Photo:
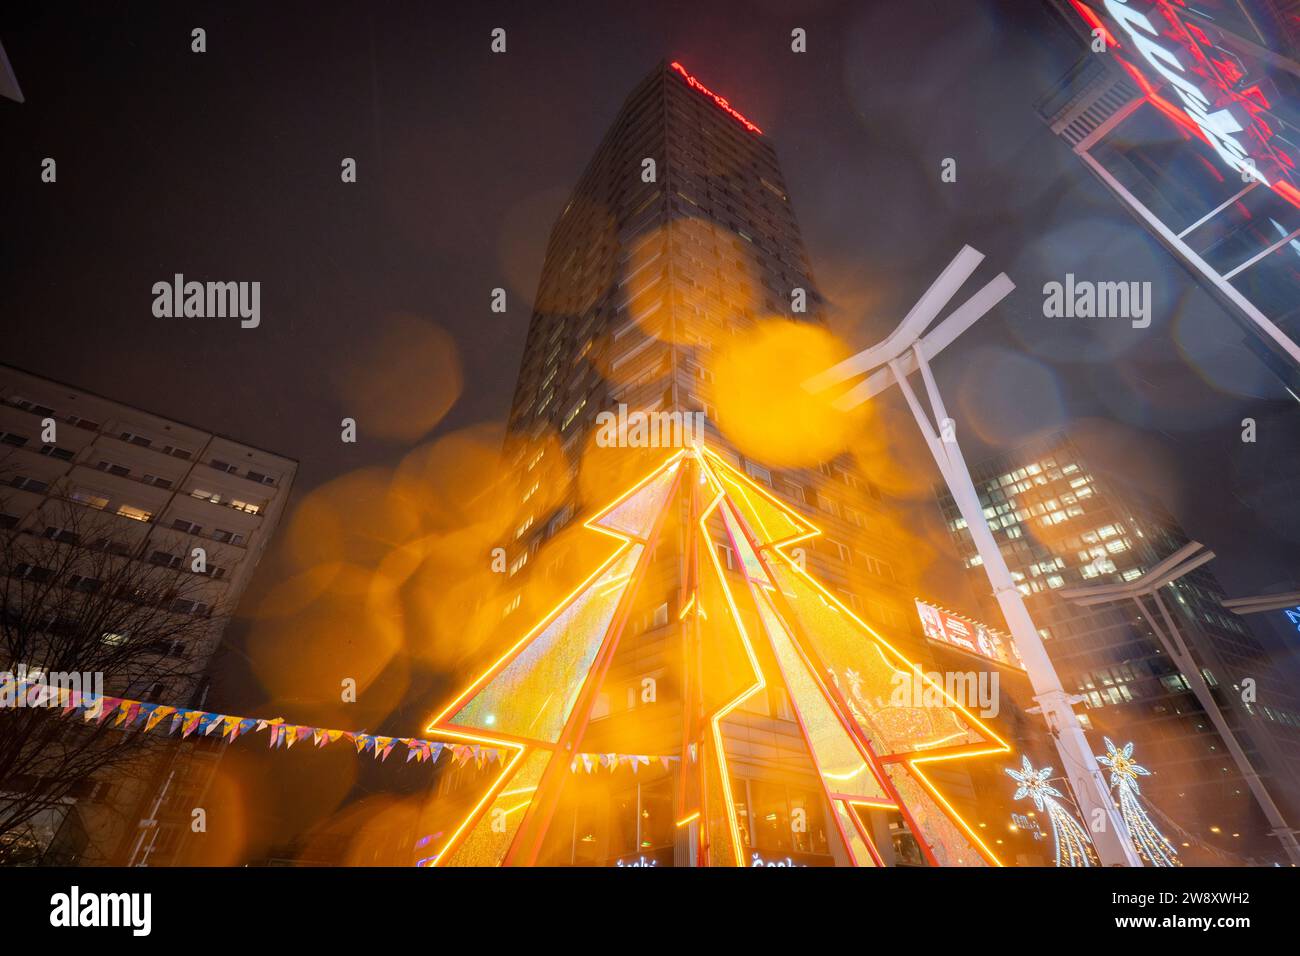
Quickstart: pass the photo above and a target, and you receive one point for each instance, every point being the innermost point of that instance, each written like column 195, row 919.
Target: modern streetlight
column 1263, row 602
column 1186, row 559
column 908, row 349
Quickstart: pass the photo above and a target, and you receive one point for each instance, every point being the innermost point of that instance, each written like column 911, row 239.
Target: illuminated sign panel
column 1216, row 94
column 722, row 103
column 945, row 627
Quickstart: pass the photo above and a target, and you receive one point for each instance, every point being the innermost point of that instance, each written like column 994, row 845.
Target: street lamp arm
column 1167, row 571
column 943, row 335
column 1262, row 602
column 925, row 311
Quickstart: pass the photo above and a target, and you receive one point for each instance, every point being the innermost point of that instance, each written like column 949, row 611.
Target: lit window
column 573, row 413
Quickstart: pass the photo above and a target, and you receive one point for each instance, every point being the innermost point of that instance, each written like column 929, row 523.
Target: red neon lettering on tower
column 696, row 84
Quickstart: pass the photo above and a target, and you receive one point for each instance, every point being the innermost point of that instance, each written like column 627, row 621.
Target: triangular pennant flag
column 127, row 713
column 110, row 704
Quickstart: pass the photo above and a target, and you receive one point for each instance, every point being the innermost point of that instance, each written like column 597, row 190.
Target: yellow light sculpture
column 843, row 679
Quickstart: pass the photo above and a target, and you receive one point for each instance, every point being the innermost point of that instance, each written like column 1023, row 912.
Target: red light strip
column 722, row 103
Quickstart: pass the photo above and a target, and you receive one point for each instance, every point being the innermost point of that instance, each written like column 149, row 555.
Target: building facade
column 1190, row 115
column 126, row 488
column 1062, row 523
column 678, row 240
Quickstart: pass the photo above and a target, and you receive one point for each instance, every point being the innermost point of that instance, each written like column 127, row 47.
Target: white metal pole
column 1079, row 763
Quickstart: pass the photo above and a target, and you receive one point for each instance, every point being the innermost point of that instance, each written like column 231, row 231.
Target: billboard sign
column 946, row 627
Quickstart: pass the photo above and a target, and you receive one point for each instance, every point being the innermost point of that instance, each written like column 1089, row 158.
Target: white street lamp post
column 907, row 350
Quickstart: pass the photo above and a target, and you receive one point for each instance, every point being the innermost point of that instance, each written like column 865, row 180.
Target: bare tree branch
column 78, row 595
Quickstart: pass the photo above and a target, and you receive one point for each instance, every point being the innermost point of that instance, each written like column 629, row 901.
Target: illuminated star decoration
column 1073, row 848
column 870, row 754
column 1124, row 771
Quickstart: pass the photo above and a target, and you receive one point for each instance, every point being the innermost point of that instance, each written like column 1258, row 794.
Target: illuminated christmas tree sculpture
column 1124, row 771
column 868, row 749
column 1073, row 848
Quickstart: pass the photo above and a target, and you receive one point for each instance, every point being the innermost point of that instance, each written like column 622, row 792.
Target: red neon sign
column 1201, row 87
column 722, row 103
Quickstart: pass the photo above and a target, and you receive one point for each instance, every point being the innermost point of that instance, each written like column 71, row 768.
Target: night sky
column 225, row 166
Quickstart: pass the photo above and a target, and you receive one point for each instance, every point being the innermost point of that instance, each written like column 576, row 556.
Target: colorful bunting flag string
column 135, row 714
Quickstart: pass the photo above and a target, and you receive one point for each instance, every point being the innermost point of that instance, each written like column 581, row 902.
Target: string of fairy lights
column 1072, row 845
column 1070, row 840
column 1154, row 848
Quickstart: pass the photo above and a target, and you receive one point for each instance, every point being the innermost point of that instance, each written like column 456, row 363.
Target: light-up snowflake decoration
column 1073, row 848
column 1124, row 771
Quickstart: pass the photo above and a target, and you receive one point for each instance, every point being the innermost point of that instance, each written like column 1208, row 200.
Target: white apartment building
column 162, row 489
